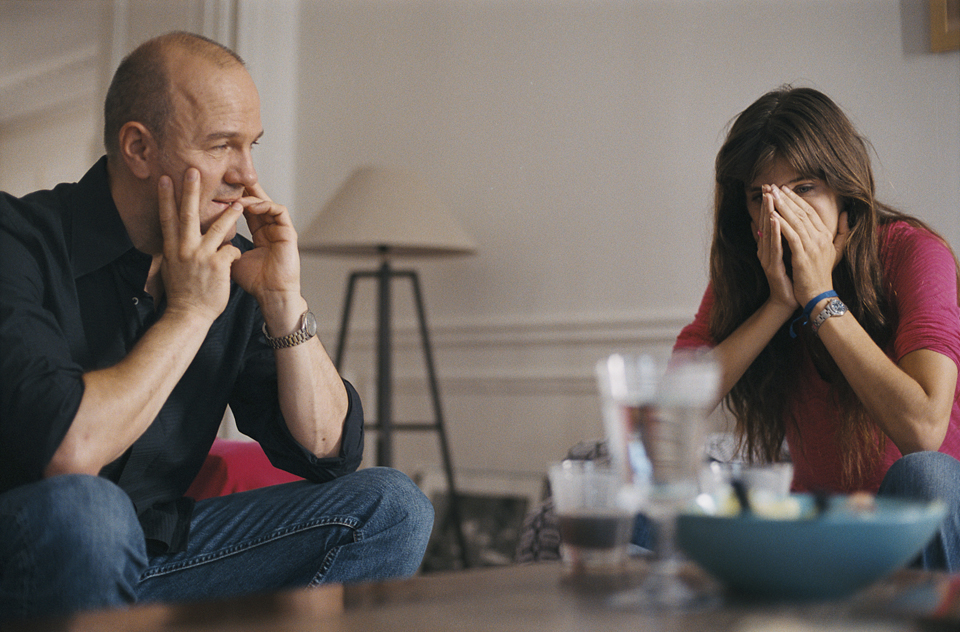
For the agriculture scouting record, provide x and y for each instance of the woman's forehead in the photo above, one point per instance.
(780, 170)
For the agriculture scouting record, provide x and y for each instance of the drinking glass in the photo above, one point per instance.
(596, 520)
(654, 411)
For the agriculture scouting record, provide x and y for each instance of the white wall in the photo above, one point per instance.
(574, 140)
(48, 93)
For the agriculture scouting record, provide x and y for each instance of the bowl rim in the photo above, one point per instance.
(888, 509)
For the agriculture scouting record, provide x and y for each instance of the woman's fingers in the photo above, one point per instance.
(770, 252)
(793, 206)
(793, 213)
(843, 232)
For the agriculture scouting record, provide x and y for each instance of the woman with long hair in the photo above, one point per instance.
(834, 317)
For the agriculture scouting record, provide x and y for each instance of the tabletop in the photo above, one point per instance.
(530, 597)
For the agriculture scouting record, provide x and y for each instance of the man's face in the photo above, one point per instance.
(214, 125)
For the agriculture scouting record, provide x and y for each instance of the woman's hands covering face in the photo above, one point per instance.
(813, 248)
(771, 253)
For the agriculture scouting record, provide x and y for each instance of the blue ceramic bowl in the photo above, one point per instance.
(825, 557)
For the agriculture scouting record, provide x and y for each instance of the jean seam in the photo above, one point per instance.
(330, 558)
(26, 561)
(165, 569)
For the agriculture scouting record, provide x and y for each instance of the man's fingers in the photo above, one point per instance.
(230, 252)
(219, 229)
(190, 208)
(169, 215)
(263, 207)
(256, 190)
(261, 213)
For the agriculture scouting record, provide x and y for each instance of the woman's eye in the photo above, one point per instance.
(801, 189)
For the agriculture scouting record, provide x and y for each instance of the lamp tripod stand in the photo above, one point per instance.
(384, 425)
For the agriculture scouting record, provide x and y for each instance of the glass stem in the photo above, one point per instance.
(666, 539)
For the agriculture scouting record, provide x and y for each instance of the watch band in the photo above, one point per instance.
(308, 329)
(834, 307)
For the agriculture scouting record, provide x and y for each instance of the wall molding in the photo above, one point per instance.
(644, 328)
(510, 356)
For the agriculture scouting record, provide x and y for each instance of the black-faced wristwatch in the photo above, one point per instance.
(308, 329)
(834, 307)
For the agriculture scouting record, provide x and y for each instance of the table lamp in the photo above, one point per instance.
(390, 213)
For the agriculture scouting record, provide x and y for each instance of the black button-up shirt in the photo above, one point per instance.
(72, 300)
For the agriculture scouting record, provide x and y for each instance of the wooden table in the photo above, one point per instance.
(526, 598)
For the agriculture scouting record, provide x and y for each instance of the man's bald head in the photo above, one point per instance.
(141, 87)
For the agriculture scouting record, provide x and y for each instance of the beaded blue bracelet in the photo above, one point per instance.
(805, 316)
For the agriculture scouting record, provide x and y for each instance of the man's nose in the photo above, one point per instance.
(242, 171)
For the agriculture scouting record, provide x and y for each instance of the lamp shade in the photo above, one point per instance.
(390, 211)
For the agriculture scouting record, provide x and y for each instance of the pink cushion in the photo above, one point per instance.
(235, 466)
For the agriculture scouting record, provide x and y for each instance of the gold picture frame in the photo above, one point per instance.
(944, 25)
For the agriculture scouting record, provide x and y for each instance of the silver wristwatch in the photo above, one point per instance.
(308, 329)
(834, 307)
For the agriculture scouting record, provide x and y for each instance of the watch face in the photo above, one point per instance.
(310, 324)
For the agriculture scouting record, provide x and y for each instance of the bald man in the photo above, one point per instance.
(131, 315)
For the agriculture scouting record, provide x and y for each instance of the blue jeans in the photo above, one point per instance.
(73, 543)
(930, 476)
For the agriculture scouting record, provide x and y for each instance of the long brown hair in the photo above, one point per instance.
(807, 130)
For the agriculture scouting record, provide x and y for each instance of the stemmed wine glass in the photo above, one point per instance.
(654, 411)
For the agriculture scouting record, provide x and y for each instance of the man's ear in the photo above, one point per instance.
(138, 148)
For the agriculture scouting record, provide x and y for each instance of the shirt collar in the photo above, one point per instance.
(99, 236)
